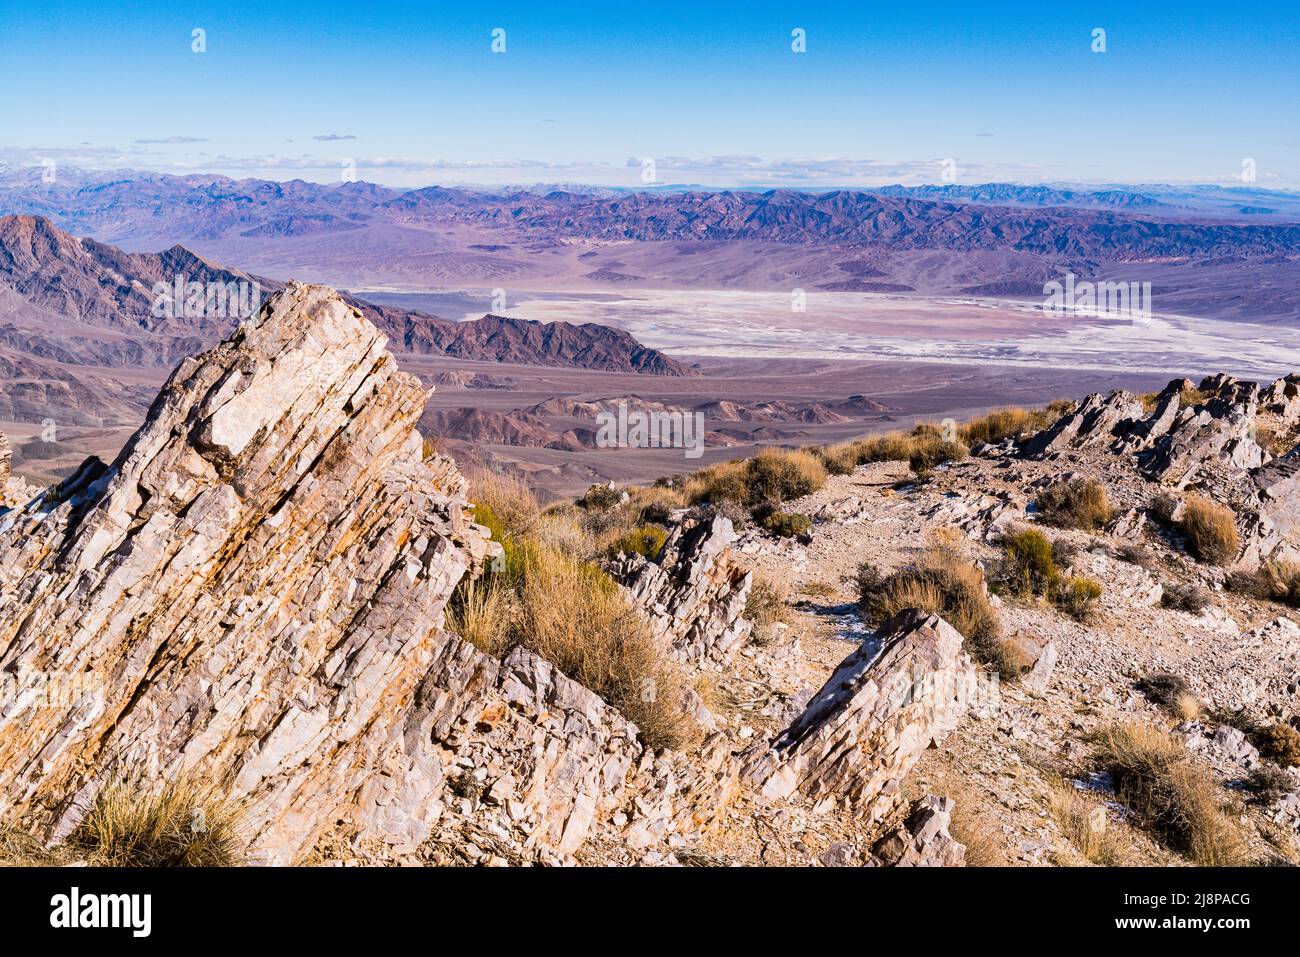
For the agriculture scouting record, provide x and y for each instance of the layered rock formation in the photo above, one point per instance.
(251, 593)
(693, 593)
(252, 596)
(862, 732)
(1205, 436)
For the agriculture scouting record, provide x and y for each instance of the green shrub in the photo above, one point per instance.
(787, 524)
(646, 540)
(1029, 568)
(1077, 597)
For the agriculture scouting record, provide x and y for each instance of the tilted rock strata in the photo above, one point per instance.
(923, 839)
(1210, 444)
(251, 593)
(693, 594)
(868, 725)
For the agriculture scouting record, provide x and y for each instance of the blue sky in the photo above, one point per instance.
(712, 92)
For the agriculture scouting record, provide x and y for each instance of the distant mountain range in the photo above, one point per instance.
(1112, 222)
(75, 312)
(1231, 253)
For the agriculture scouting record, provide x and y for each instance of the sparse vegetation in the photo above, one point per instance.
(1168, 795)
(547, 596)
(1135, 554)
(766, 604)
(1083, 821)
(1277, 581)
(1171, 692)
(1279, 742)
(772, 476)
(481, 613)
(944, 582)
(1078, 596)
(180, 825)
(1188, 597)
(1210, 531)
(1012, 423)
(1162, 508)
(1267, 783)
(1029, 567)
(1064, 551)
(787, 524)
(646, 540)
(819, 589)
(1075, 503)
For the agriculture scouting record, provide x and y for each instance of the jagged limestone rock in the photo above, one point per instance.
(1221, 430)
(693, 593)
(923, 839)
(867, 726)
(1096, 421)
(250, 594)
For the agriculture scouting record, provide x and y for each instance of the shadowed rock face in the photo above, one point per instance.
(251, 592)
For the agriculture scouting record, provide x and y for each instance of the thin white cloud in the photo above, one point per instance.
(174, 139)
(333, 137)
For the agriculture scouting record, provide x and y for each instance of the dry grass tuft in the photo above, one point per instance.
(1075, 503)
(547, 596)
(1083, 821)
(1210, 531)
(1011, 423)
(481, 612)
(767, 603)
(1169, 796)
(1277, 581)
(572, 614)
(943, 581)
(770, 477)
(181, 825)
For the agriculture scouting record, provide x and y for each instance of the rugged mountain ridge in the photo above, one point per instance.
(97, 285)
(252, 595)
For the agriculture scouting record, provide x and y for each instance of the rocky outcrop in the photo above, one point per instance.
(1203, 436)
(1219, 430)
(693, 593)
(5, 454)
(922, 840)
(862, 732)
(1095, 422)
(252, 593)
